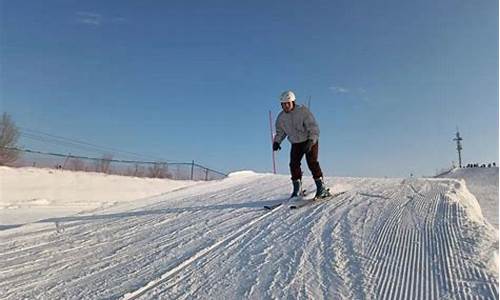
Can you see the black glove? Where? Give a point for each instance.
(308, 146)
(276, 146)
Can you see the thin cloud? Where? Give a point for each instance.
(356, 93)
(89, 18)
(339, 89)
(118, 20)
(95, 19)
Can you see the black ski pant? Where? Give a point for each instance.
(297, 153)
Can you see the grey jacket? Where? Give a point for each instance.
(299, 125)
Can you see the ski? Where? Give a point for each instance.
(305, 202)
(292, 199)
(273, 206)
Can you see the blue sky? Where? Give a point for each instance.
(389, 81)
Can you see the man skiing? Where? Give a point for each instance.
(298, 123)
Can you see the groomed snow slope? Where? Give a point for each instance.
(382, 239)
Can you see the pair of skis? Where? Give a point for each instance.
(291, 199)
(301, 201)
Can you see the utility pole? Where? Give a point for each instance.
(458, 139)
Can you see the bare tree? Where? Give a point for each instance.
(135, 171)
(159, 170)
(9, 134)
(103, 165)
(76, 164)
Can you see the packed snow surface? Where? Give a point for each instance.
(381, 239)
(31, 194)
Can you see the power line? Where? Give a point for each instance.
(69, 142)
(72, 142)
(57, 142)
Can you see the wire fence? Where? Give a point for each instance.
(106, 164)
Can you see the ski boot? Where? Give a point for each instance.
(297, 188)
(321, 190)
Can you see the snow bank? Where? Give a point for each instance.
(31, 194)
(483, 184)
(243, 173)
(461, 194)
(487, 250)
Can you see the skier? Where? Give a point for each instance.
(298, 123)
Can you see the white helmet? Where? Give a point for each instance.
(287, 96)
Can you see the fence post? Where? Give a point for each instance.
(206, 174)
(192, 170)
(65, 161)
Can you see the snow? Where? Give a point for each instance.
(483, 183)
(31, 194)
(132, 238)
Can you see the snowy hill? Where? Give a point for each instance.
(483, 184)
(31, 194)
(382, 239)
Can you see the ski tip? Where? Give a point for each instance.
(271, 207)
